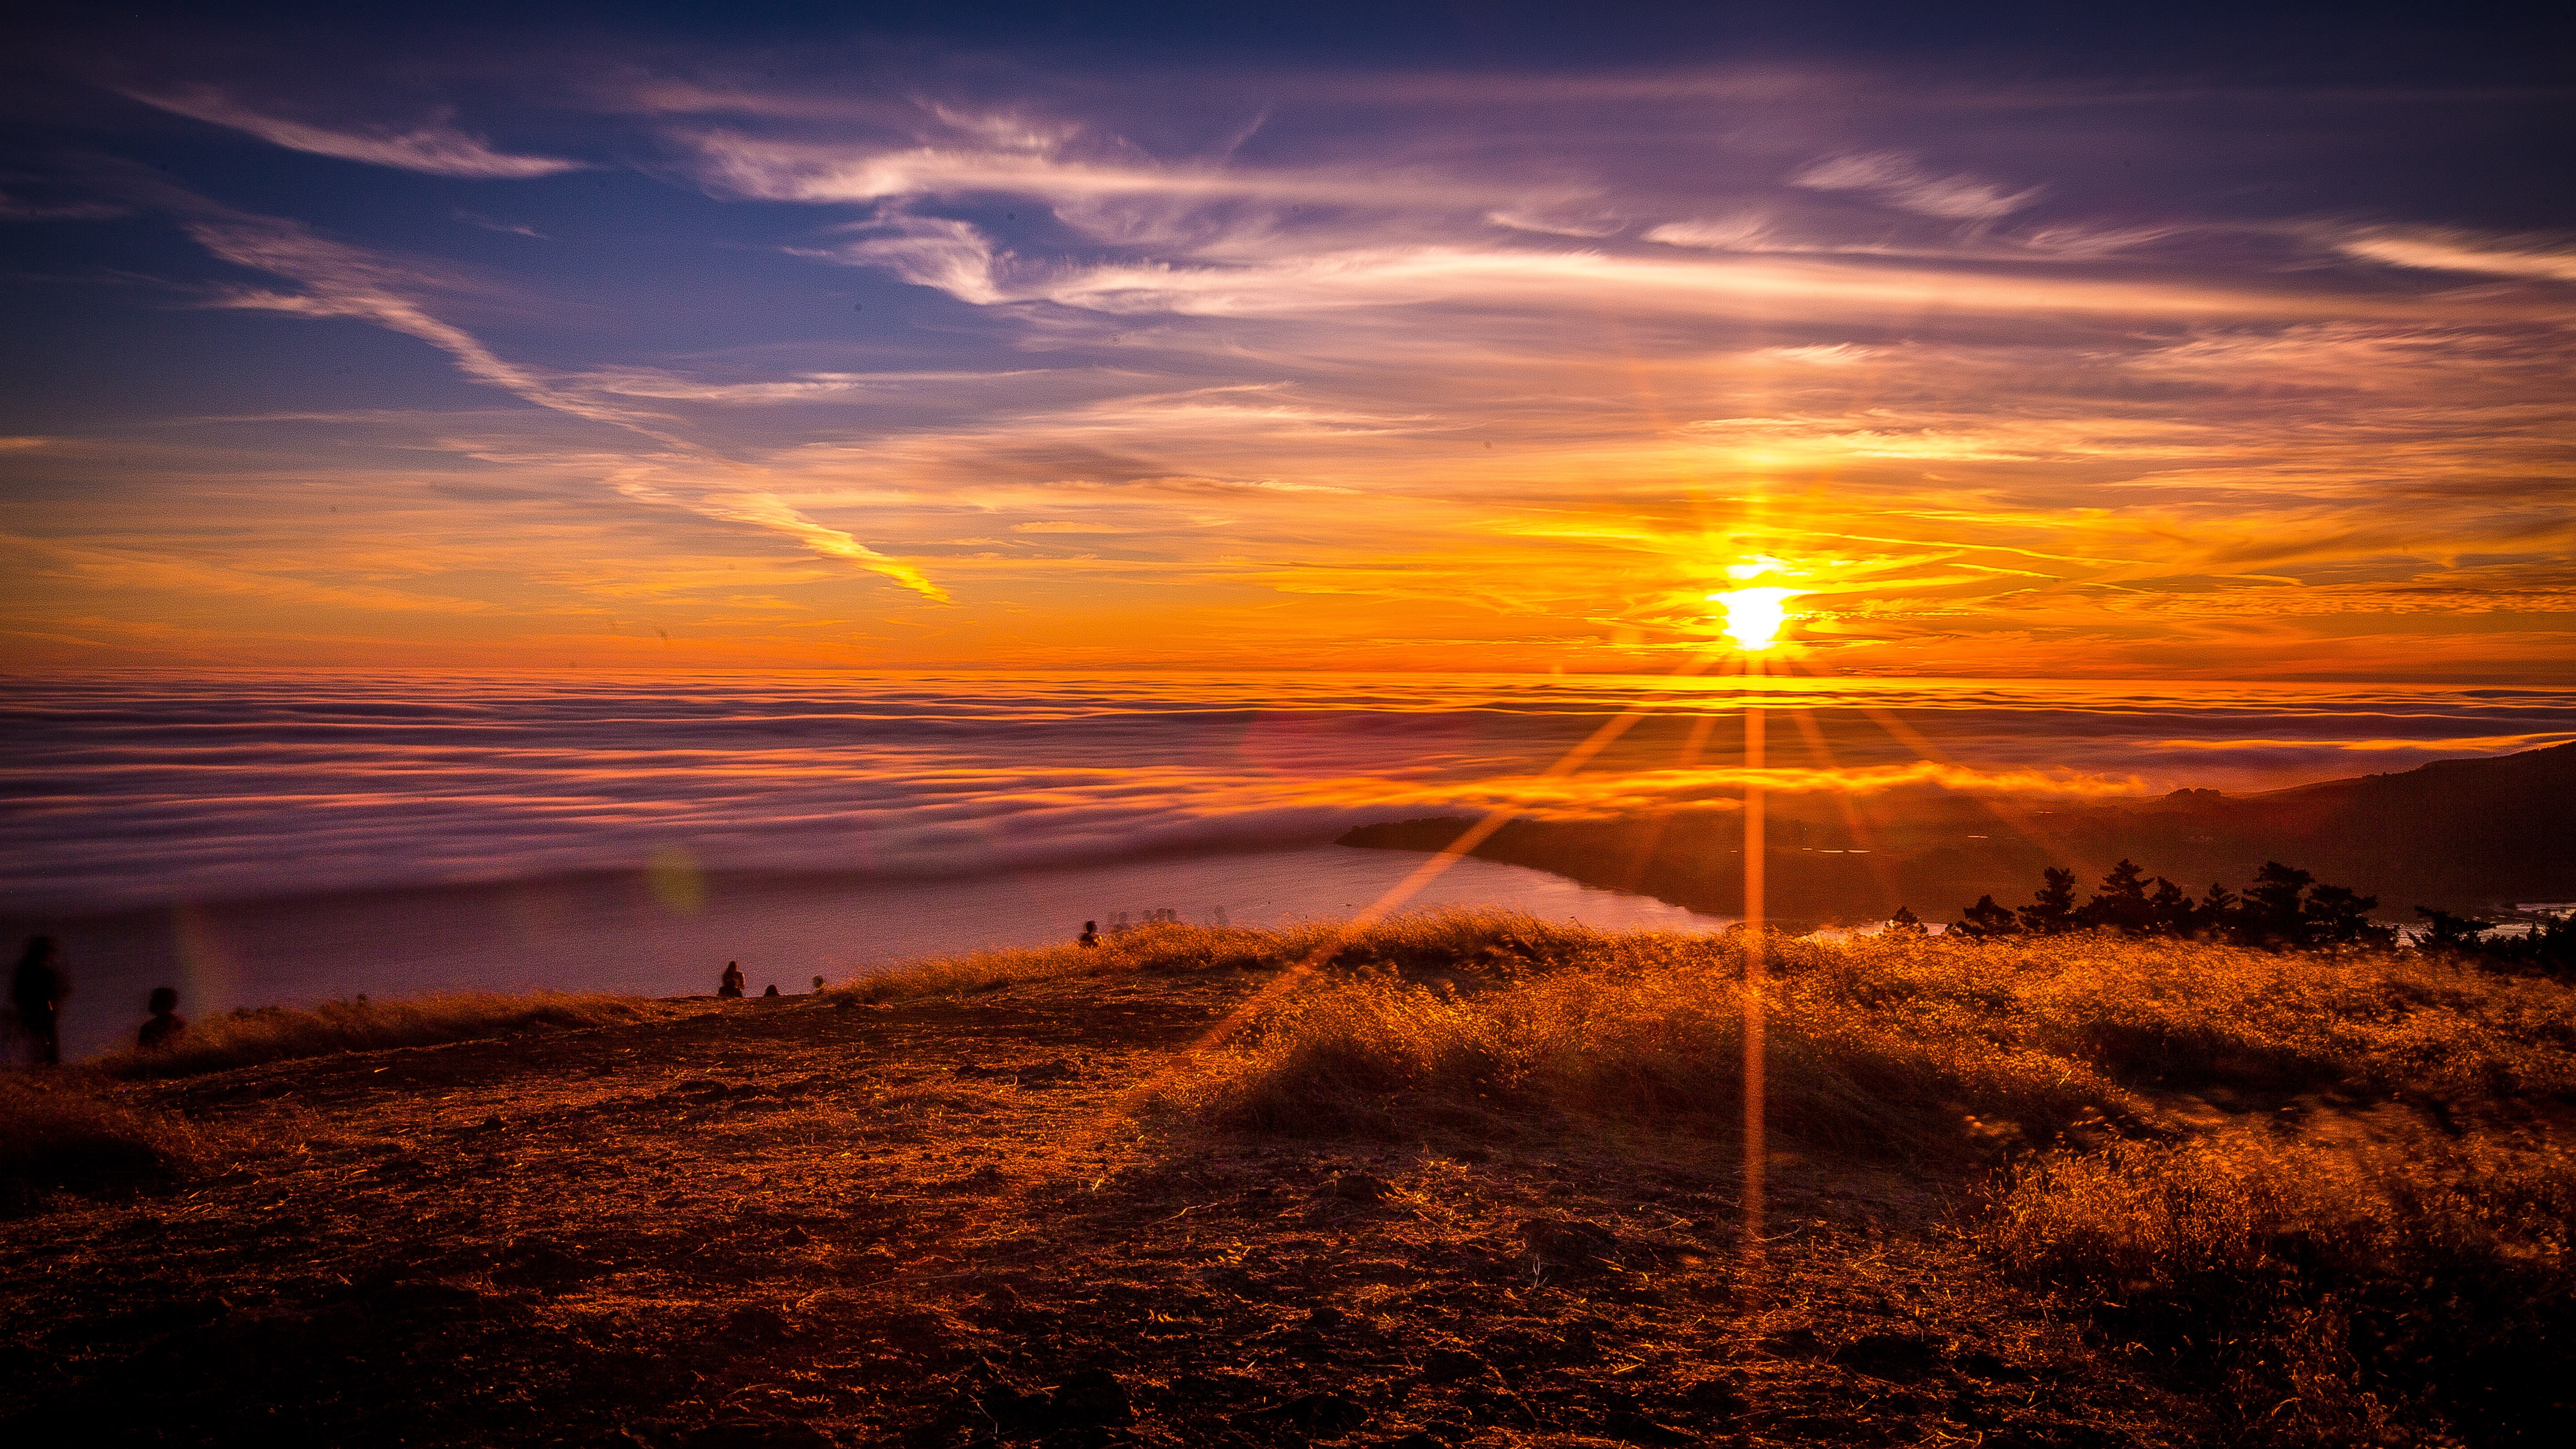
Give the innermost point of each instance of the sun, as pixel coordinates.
(1755, 617)
(1757, 612)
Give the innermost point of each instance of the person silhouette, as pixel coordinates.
(37, 989)
(166, 1022)
(732, 983)
(818, 983)
(1090, 934)
(772, 991)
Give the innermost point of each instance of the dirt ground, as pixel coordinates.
(932, 1223)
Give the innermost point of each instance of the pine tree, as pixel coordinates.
(2449, 932)
(2121, 903)
(2271, 913)
(2334, 916)
(1906, 923)
(2219, 910)
(2052, 909)
(1984, 920)
(2170, 911)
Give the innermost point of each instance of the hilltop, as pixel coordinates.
(2468, 836)
(1453, 1181)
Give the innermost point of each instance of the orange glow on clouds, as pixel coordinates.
(1372, 399)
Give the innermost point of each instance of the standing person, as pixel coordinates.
(37, 989)
(1090, 934)
(166, 1022)
(732, 984)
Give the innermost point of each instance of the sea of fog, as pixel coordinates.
(292, 836)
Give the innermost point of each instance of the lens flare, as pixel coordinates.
(1755, 617)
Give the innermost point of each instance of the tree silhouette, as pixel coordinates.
(1906, 923)
(2285, 906)
(2170, 911)
(2334, 916)
(2449, 932)
(2271, 913)
(2548, 947)
(2121, 903)
(2051, 911)
(1984, 920)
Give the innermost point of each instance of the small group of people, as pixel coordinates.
(40, 986)
(730, 985)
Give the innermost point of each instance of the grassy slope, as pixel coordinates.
(1500, 1140)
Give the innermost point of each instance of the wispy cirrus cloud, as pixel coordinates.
(1901, 181)
(333, 279)
(433, 147)
(2454, 250)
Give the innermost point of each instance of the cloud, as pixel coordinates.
(1446, 395)
(1899, 181)
(1592, 225)
(868, 172)
(302, 781)
(434, 148)
(1526, 278)
(513, 228)
(18, 210)
(2550, 259)
(337, 280)
(927, 251)
(1746, 231)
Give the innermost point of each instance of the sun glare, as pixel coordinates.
(1755, 617)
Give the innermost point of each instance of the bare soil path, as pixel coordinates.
(927, 1223)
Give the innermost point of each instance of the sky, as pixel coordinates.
(1485, 338)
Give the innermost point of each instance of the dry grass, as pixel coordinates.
(1892, 1042)
(1455, 939)
(2386, 1262)
(244, 1038)
(2331, 1290)
(2382, 1259)
(57, 1132)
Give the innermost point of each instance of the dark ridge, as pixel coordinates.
(2470, 836)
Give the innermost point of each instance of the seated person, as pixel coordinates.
(166, 1022)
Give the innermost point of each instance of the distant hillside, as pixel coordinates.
(2464, 835)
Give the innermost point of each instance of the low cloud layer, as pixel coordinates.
(134, 791)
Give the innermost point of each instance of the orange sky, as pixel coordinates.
(735, 369)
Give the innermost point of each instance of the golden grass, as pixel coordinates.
(245, 1038)
(1428, 941)
(2328, 1283)
(57, 1132)
(2348, 1273)
(2322, 1285)
(1893, 1042)
(1896, 1042)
